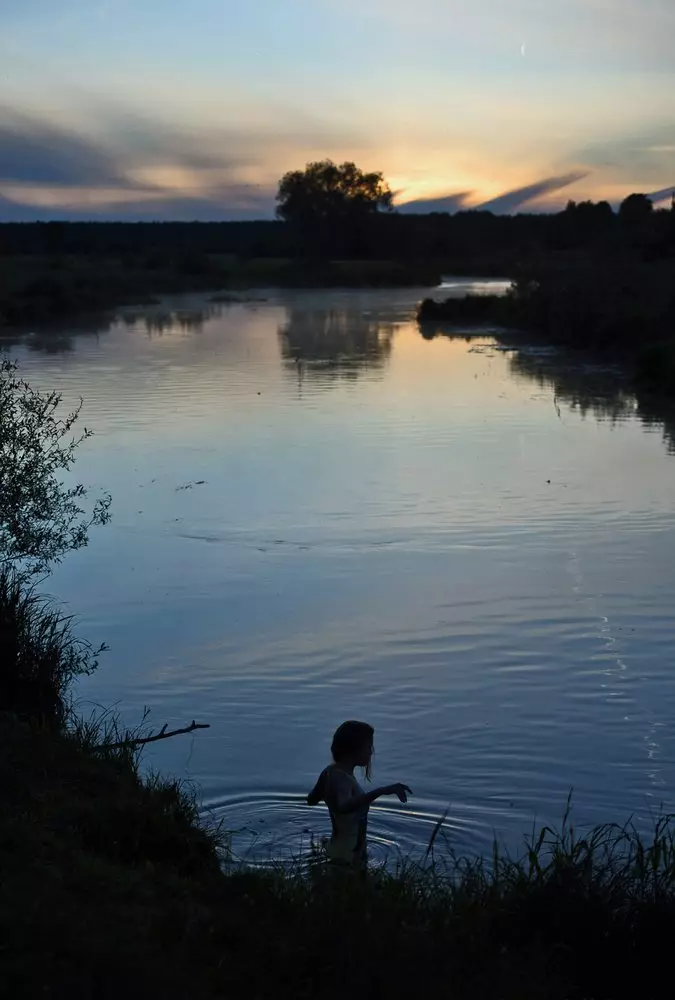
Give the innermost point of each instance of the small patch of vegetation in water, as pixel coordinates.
(471, 309)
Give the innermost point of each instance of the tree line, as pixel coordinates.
(341, 212)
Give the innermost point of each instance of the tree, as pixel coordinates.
(328, 202)
(41, 518)
(636, 209)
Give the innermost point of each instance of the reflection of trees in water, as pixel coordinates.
(158, 322)
(592, 389)
(588, 389)
(657, 413)
(585, 386)
(334, 343)
(57, 338)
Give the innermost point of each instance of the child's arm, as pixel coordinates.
(318, 792)
(343, 802)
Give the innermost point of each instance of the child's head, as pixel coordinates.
(353, 743)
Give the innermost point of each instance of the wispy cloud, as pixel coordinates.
(35, 151)
(663, 194)
(444, 203)
(143, 168)
(127, 164)
(510, 201)
(646, 156)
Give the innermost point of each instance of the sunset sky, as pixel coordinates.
(158, 109)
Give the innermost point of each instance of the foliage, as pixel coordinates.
(332, 207)
(40, 518)
(469, 309)
(636, 209)
(325, 193)
(40, 654)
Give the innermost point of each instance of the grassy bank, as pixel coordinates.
(111, 886)
(42, 289)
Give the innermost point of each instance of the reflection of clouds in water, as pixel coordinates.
(328, 344)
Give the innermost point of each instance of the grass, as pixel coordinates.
(40, 654)
(111, 887)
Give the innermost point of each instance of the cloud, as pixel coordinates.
(235, 203)
(139, 138)
(137, 168)
(645, 158)
(510, 201)
(12, 212)
(35, 151)
(657, 196)
(127, 165)
(445, 203)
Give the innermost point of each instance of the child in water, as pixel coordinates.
(347, 802)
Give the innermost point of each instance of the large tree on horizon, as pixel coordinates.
(330, 204)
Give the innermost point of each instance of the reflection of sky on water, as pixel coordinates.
(471, 547)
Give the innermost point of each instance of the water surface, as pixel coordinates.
(318, 514)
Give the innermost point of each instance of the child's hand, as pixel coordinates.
(401, 791)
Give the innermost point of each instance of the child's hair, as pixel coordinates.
(349, 739)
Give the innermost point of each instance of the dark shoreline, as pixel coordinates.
(48, 289)
(637, 334)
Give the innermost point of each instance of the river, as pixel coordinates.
(318, 514)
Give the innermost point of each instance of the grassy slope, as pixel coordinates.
(109, 888)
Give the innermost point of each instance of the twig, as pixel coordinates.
(161, 735)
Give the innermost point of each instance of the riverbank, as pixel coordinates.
(110, 887)
(44, 289)
(621, 310)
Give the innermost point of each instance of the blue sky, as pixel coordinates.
(159, 109)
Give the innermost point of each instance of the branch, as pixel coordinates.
(161, 735)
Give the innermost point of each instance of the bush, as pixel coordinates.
(40, 518)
